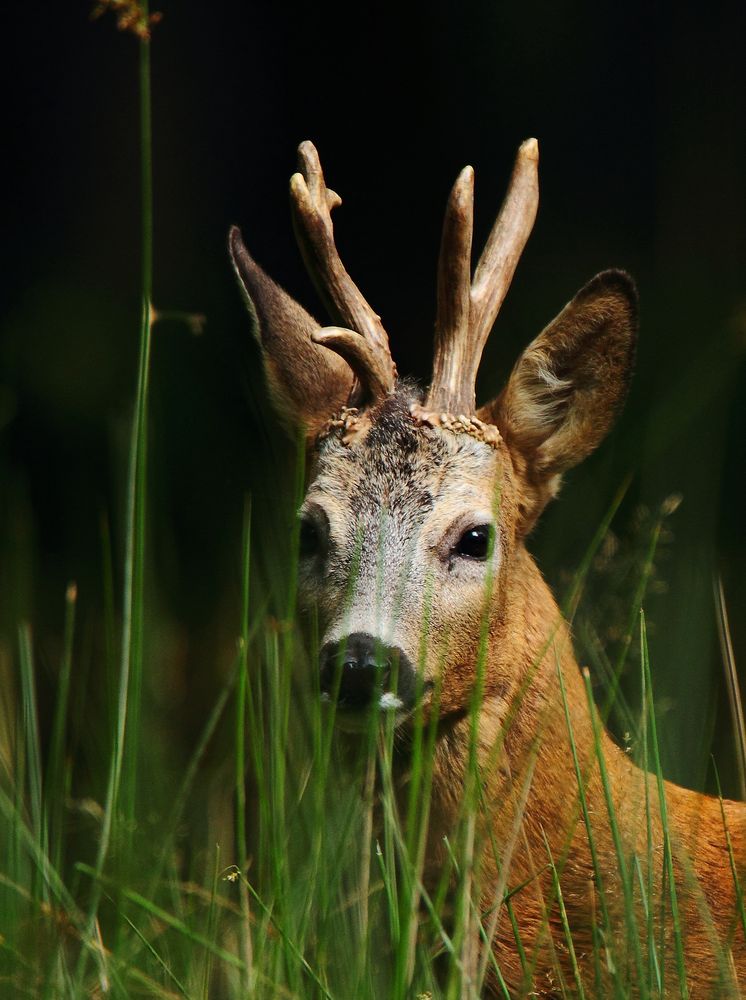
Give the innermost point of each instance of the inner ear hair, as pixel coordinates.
(307, 382)
(568, 386)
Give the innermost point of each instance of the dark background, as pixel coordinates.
(640, 111)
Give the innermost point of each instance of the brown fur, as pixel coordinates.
(306, 381)
(409, 488)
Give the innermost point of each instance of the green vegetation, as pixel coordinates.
(304, 894)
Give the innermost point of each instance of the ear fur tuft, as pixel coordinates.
(569, 384)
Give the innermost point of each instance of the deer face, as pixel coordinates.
(415, 508)
(403, 535)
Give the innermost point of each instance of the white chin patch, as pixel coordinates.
(389, 701)
(359, 721)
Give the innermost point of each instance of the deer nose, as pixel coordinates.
(357, 669)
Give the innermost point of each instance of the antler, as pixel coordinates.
(467, 309)
(365, 345)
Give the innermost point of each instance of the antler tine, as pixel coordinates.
(312, 203)
(506, 241)
(460, 342)
(364, 361)
(454, 299)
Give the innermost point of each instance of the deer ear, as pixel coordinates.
(568, 386)
(307, 382)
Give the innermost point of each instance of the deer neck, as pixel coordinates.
(523, 743)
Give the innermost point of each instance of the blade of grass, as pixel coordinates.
(639, 597)
(291, 946)
(50, 877)
(597, 870)
(56, 784)
(158, 913)
(667, 852)
(565, 923)
(732, 685)
(157, 956)
(505, 861)
(465, 935)
(731, 856)
(572, 599)
(244, 934)
(32, 745)
(212, 926)
(655, 971)
(123, 763)
(624, 874)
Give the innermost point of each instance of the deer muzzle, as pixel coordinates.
(359, 672)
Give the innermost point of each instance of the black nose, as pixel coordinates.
(359, 668)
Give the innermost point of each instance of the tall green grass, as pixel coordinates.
(315, 886)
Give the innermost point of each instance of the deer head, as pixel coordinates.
(413, 525)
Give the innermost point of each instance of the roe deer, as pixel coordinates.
(457, 489)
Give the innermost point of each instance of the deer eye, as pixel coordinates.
(476, 543)
(309, 540)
